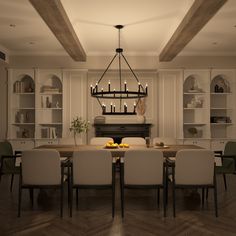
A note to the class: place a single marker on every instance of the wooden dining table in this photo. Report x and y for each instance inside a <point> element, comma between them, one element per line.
<point>67,150</point>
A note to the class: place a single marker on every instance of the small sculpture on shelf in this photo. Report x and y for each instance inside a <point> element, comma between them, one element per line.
<point>140,107</point>
<point>25,133</point>
<point>48,103</point>
<point>194,88</point>
<point>221,85</point>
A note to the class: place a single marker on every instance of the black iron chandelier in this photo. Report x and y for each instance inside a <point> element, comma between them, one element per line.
<point>123,92</point>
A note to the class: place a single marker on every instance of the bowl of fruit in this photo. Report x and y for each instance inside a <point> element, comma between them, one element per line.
<point>124,145</point>
<point>111,145</point>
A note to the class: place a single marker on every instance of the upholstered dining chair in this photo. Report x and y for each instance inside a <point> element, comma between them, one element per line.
<point>41,168</point>
<point>92,169</point>
<point>143,169</point>
<point>194,169</point>
<point>8,161</point>
<point>228,161</point>
<point>165,140</point>
<point>100,140</point>
<point>134,140</point>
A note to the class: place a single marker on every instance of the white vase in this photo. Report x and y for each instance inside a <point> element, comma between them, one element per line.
<point>140,119</point>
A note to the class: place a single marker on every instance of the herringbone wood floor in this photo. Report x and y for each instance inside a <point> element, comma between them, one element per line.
<point>142,216</point>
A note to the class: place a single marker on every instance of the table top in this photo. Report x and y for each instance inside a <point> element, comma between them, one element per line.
<point>67,150</point>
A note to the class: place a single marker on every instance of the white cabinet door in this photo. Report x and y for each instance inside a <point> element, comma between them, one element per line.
<point>22,145</point>
<point>218,145</point>
<point>46,142</point>
<point>169,101</point>
<point>200,143</point>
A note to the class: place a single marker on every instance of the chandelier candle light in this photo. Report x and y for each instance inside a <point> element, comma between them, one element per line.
<point>123,92</point>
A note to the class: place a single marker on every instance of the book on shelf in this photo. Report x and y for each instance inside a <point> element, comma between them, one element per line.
<point>50,89</point>
<point>49,132</point>
<point>19,87</point>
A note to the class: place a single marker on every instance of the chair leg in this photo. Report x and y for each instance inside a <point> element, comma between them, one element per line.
<point>158,196</point>
<point>62,191</point>
<point>215,199</point>
<point>19,196</point>
<point>225,183</point>
<point>113,189</point>
<point>12,179</point>
<point>113,201</point>
<point>215,196</point>
<point>167,185</point>
<point>206,193</point>
<point>173,189</point>
<point>122,189</point>
<point>77,198</point>
<point>203,196</point>
<point>164,199</point>
<point>31,192</point>
<point>71,200</point>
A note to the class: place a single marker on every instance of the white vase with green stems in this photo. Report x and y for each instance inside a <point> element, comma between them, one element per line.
<point>78,126</point>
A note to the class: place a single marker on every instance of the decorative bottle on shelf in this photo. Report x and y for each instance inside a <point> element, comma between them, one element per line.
<point>48,104</point>
<point>216,88</point>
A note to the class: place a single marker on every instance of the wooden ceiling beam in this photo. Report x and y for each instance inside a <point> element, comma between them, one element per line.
<point>54,15</point>
<point>198,15</point>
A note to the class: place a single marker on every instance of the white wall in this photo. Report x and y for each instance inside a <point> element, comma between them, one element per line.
<point>3,101</point>
<point>161,89</point>
<point>138,62</point>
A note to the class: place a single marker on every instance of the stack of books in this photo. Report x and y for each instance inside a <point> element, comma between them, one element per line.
<point>19,87</point>
<point>49,132</point>
<point>50,89</point>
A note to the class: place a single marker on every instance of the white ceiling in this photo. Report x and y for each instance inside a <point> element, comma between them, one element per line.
<point>149,25</point>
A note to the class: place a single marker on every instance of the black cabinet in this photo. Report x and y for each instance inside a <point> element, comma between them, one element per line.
<point>118,131</point>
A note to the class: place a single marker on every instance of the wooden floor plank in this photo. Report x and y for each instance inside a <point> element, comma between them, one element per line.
<point>142,216</point>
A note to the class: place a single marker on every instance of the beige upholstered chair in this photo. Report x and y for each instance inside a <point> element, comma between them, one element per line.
<point>165,140</point>
<point>100,140</point>
<point>143,169</point>
<point>194,168</point>
<point>92,169</point>
<point>134,140</point>
<point>40,168</point>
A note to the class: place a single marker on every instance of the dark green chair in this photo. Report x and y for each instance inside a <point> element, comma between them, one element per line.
<point>7,161</point>
<point>228,161</point>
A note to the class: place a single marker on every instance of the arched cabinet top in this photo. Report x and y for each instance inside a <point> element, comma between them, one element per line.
<point>51,83</point>
<point>220,84</point>
<point>193,84</point>
<point>24,83</point>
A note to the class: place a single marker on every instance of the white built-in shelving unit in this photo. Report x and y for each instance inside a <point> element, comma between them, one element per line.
<point>208,107</point>
<point>35,107</point>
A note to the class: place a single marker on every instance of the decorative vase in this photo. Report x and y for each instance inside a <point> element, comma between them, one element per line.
<point>141,119</point>
<point>75,139</point>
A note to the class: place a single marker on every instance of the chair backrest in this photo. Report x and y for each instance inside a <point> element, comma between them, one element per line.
<point>6,149</point>
<point>230,149</point>
<point>165,140</point>
<point>134,140</point>
<point>143,167</point>
<point>7,166</point>
<point>100,140</point>
<point>92,167</point>
<point>193,167</point>
<point>41,167</point>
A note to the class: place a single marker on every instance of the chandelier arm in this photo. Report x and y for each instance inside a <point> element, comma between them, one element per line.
<point>107,68</point>
<point>132,71</point>
<point>120,77</point>
<point>99,102</point>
